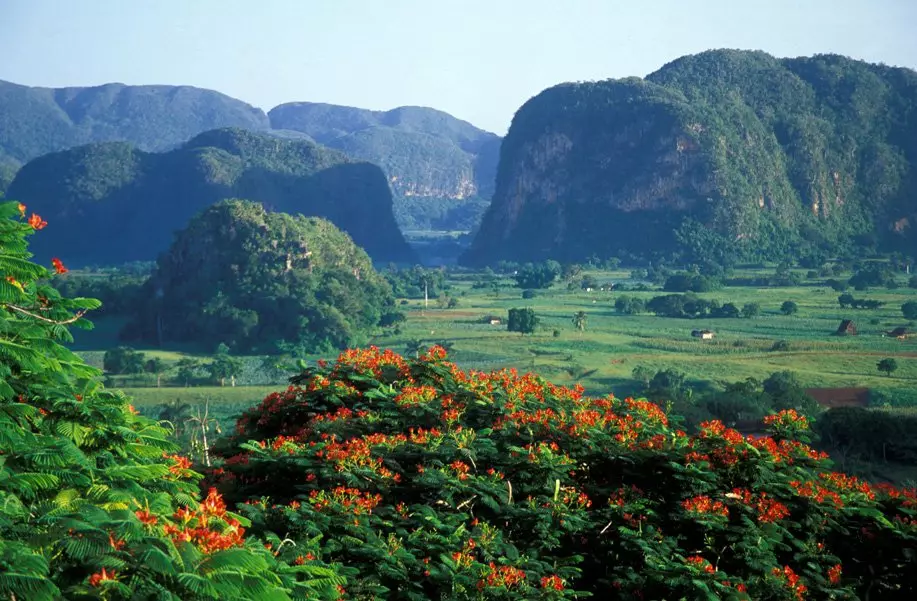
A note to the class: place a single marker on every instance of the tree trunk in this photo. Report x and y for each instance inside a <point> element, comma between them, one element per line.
<point>204,440</point>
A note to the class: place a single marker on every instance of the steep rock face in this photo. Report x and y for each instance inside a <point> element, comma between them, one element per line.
<point>36,121</point>
<point>111,203</point>
<point>770,156</point>
<point>426,154</point>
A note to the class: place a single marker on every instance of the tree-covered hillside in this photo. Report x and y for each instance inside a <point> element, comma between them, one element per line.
<point>8,170</point>
<point>437,165</point>
<point>722,154</point>
<point>440,168</point>
<point>36,121</point>
<point>261,282</point>
<point>112,203</point>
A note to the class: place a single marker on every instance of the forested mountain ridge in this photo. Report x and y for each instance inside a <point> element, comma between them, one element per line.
<point>717,155</point>
<point>440,168</point>
<point>435,163</point>
<point>35,121</point>
<point>110,203</point>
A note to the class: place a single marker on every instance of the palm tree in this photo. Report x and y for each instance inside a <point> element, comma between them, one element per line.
<point>579,320</point>
<point>413,347</point>
<point>175,414</point>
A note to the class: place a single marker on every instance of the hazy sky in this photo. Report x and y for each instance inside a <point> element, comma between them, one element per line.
<point>477,59</point>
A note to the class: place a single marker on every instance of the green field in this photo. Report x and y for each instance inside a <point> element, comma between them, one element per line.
<point>603,356</point>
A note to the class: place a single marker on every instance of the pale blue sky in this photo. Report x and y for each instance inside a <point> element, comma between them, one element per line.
<point>477,59</point>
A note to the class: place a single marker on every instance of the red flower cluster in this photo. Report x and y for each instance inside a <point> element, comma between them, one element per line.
<point>768,509</point>
<point>704,504</point>
<point>357,452</point>
<point>434,353</point>
<point>700,563</point>
<point>465,557</point>
<point>197,527</point>
<point>59,266</point>
<point>834,574</point>
<point>552,582</point>
<point>411,396</point>
<point>103,576</point>
<point>575,498</point>
<point>461,469</point>
<point>37,222</point>
<point>813,490</point>
<point>372,360</point>
<point>787,418</point>
<point>845,483</point>
<point>907,496</point>
<point>341,414</point>
<point>179,465</point>
<point>792,581</point>
<point>146,517</point>
<point>502,576</point>
<point>347,500</point>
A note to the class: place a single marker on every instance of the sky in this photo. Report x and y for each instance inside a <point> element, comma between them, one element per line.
<point>479,60</point>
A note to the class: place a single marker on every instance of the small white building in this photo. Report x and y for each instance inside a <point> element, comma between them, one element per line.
<point>703,334</point>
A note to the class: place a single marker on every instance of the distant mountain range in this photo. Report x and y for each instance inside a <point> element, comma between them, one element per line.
<point>110,202</point>
<point>722,156</point>
<point>441,169</point>
<point>717,157</point>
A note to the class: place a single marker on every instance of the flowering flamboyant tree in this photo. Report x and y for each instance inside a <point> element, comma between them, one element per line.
<point>435,483</point>
<point>93,502</point>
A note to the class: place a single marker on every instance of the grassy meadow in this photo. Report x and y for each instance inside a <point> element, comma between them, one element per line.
<point>604,355</point>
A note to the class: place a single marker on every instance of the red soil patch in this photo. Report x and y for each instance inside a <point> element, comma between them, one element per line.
<point>840,397</point>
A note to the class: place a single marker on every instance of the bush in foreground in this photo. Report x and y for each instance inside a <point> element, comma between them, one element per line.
<point>435,483</point>
<point>93,502</point>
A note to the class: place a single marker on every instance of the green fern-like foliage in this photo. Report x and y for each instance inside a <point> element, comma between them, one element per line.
<point>93,505</point>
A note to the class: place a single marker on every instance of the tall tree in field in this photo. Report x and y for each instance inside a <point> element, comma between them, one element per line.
<point>523,321</point>
<point>888,365</point>
<point>223,366</point>
<point>155,366</point>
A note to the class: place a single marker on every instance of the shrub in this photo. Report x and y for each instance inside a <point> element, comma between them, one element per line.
<point>435,483</point>
<point>789,308</point>
<point>909,310</point>
<point>751,310</point>
<point>629,305</point>
<point>529,294</point>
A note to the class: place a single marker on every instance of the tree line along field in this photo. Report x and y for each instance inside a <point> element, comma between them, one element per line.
<point>604,354</point>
